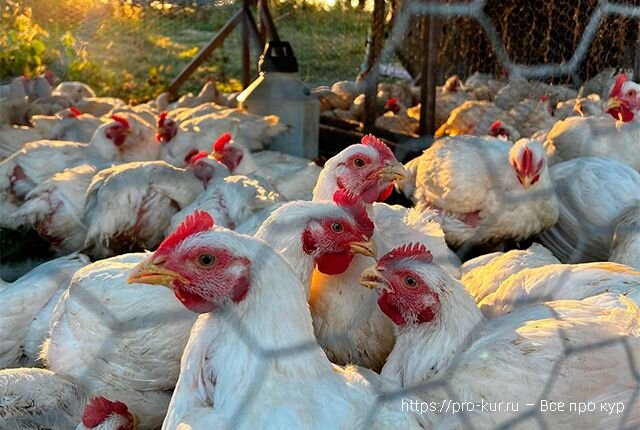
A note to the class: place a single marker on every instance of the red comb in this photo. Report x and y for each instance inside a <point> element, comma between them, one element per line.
<point>527,161</point>
<point>75,113</point>
<point>356,209</point>
<point>121,120</point>
<point>192,224</point>
<point>219,144</point>
<point>617,86</point>
<point>416,251</point>
<point>391,101</point>
<point>378,145</point>
<point>495,125</point>
<point>161,118</point>
<point>195,155</point>
<point>99,409</point>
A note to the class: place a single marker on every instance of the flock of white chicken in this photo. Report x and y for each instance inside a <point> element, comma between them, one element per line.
<point>294,297</point>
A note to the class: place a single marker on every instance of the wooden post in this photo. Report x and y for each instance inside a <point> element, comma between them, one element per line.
<point>246,59</point>
<point>373,68</point>
<point>217,40</point>
<point>428,80</point>
<point>267,21</point>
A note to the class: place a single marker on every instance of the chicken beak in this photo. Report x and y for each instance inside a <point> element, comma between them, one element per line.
<point>367,248</point>
<point>151,272</point>
<point>525,181</point>
<point>392,172</point>
<point>373,278</point>
<point>613,103</point>
<point>217,155</point>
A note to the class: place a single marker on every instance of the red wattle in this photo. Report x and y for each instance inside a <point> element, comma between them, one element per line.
<point>334,264</point>
<point>390,310</point>
<point>384,195</point>
<point>192,301</point>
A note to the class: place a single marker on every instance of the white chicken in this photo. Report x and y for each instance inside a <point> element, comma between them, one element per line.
<point>615,134</point>
<point>127,138</point>
<point>591,105</point>
<point>40,399</point>
<point>37,399</point>
<point>208,94</point>
<point>519,89</point>
<point>28,303</point>
<point>252,131</point>
<point>448,97</point>
<point>445,349</point>
<point>231,201</point>
<point>625,246</point>
<point>476,117</point>
<point>33,164</point>
<point>483,191</point>
<point>225,276</point>
<point>347,324</point>
<point>117,341</point>
<point>55,206</point>
<point>559,282</point>
<point>74,91</point>
<point>128,207</point>
<point>319,234</point>
<point>483,275</point>
<point>293,177</point>
<point>592,192</point>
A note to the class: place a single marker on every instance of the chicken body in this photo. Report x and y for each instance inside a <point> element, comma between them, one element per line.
<point>54,208</point>
<point>592,192</point>
<point>443,339</point>
<point>28,301</point>
<point>625,247</point>
<point>483,275</point>
<point>559,282</point>
<point>119,342</point>
<point>231,201</point>
<point>475,117</point>
<point>596,136</point>
<point>35,163</point>
<point>129,207</point>
<point>480,190</point>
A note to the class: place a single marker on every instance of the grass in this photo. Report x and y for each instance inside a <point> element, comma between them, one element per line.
<point>133,52</point>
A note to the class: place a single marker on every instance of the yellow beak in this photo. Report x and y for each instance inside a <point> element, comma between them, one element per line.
<point>136,422</point>
<point>151,272</point>
<point>526,181</point>
<point>373,278</point>
<point>217,155</point>
<point>367,248</point>
<point>613,103</point>
<point>393,172</point>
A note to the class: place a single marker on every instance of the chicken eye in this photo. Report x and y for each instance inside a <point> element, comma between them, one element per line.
<point>410,282</point>
<point>206,260</point>
<point>337,227</point>
<point>359,162</point>
<point>631,93</point>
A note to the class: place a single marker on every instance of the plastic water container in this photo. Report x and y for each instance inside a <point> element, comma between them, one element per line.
<point>279,91</point>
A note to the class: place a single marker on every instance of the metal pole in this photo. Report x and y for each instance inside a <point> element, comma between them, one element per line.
<point>431,36</point>
<point>636,60</point>
<point>375,48</point>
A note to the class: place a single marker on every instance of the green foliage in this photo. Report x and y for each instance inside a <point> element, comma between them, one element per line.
<point>132,52</point>
<point>23,44</point>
